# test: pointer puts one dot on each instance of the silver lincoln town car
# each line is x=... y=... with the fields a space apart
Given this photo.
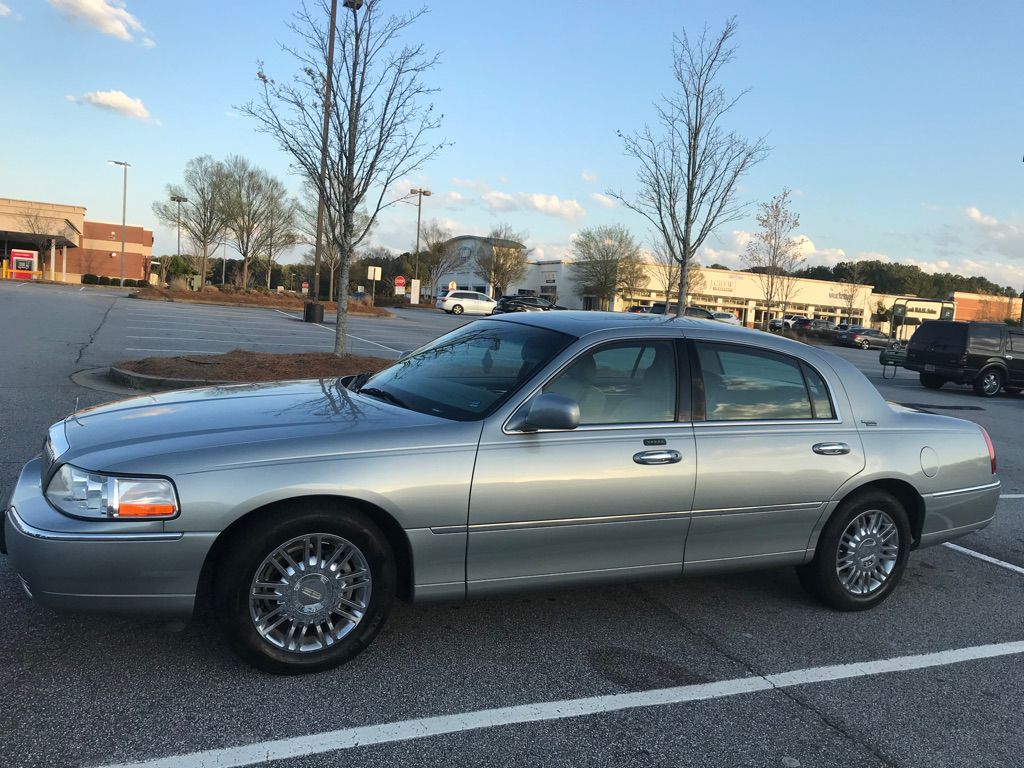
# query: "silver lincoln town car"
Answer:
x=530 y=450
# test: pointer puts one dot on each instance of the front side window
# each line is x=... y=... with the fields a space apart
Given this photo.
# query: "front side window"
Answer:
x=466 y=374
x=748 y=384
x=624 y=383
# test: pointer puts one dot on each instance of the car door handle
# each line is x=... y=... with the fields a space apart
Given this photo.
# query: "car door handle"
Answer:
x=657 y=457
x=831 y=449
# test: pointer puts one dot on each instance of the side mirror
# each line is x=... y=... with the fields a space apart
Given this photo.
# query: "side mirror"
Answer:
x=548 y=411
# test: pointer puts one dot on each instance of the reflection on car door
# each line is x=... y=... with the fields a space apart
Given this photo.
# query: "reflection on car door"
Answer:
x=609 y=500
x=1015 y=358
x=774 y=444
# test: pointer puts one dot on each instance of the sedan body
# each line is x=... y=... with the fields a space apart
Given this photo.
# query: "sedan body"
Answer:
x=865 y=338
x=532 y=450
x=726 y=317
x=524 y=304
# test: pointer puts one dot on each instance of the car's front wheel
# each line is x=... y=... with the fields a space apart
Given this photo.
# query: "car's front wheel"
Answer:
x=931 y=381
x=988 y=383
x=861 y=553
x=306 y=589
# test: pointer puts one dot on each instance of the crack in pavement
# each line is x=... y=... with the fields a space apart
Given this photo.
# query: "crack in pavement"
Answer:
x=92 y=336
x=833 y=725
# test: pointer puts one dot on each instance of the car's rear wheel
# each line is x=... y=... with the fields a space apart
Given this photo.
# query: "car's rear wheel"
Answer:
x=931 y=381
x=861 y=553
x=865 y=344
x=988 y=383
x=457 y=309
x=306 y=590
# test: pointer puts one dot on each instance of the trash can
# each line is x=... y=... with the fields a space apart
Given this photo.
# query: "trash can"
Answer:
x=313 y=312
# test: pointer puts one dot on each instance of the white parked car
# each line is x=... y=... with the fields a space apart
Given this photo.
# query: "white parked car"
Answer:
x=726 y=317
x=466 y=302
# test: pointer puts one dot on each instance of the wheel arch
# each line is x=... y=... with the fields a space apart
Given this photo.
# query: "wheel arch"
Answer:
x=905 y=493
x=392 y=531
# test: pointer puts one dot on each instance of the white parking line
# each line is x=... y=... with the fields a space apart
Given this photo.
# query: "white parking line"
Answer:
x=1012 y=496
x=226 y=341
x=353 y=336
x=406 y=730
x=986 y=558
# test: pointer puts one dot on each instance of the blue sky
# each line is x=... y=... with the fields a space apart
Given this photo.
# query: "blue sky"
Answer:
x=896 y=125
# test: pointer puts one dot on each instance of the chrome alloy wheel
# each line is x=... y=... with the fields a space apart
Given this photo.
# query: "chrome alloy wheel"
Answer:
x=867 y=552
x=310 y=592
x=990 y=383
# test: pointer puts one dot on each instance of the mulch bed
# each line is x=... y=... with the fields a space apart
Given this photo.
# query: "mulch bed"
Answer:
x=240 y=365
x=252 y=299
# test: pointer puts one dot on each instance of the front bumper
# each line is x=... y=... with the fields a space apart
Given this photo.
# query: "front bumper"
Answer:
x=100 y=566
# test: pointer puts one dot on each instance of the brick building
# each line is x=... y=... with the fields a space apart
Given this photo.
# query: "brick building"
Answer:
x=68 y=245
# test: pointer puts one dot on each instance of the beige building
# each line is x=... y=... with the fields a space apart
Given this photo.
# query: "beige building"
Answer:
x=66 y=246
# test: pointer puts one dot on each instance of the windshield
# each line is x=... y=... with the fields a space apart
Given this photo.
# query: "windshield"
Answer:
x=467 y=373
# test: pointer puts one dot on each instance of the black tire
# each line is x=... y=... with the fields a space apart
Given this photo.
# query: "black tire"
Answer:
x=988 y=382
x=247 y=555
x=821 y=577
x=931 y=381
x=865 y=344
x=457 y=309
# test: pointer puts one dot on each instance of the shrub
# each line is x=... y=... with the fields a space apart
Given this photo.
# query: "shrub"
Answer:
x=103 y=280
x=90 y=279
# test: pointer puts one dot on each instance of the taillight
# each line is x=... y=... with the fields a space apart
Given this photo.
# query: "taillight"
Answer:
x=991 y=449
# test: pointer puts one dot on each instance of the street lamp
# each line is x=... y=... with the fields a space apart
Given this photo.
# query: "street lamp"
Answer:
x=124 y=208
x=420 y=194
x=179 y=200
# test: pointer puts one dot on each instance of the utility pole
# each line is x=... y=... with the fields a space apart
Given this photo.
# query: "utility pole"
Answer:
x=314 y=312
x=124 y=209
x=420 y=193
x=179 y=200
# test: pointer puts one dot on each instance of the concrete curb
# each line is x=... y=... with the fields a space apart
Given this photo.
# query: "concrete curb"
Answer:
x=143 y=381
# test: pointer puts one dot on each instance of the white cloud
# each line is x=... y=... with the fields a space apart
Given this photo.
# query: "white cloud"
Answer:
x=499 y=201
x=110 y=17
x=980 y=218
x=115 y=101
x=588 y=177
x=455 y=198
x=475 y=185
x=552 y=205
x=148 y=42
x=5 y=10
x=602 y=200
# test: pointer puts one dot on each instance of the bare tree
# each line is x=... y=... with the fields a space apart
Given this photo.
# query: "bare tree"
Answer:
x=606 y=261
x=436 y=258
x=851 y=290
x=504 y=260
x=203 y=216
x=281 y=228
x=378 y=126
x=247 y=202
x=688 y=169
x=665 y=267
x=773 y=253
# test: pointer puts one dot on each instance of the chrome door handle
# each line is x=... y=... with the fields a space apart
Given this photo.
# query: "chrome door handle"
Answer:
x=657 y=457
x=831 y=449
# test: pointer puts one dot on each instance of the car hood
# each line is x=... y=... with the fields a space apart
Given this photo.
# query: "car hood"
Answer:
x=189 y=427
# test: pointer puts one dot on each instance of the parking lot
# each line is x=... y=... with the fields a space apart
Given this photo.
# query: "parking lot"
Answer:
x=735 y=670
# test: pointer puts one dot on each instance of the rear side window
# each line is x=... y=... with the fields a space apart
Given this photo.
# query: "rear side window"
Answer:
x=748 y=384
x=985 y=338
x=1016 y=342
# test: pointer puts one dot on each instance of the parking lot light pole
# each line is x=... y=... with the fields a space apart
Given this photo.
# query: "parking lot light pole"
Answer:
x=179 y=200
x=420 y=193
x=124 y=208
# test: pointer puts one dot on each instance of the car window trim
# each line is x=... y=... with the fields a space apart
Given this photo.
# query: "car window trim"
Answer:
x=699 y=407
x=681 y=355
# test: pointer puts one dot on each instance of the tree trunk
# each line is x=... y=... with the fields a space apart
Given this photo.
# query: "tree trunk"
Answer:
x=245 y=271
x=342 y=321
x=681 y=300
x=331 y=287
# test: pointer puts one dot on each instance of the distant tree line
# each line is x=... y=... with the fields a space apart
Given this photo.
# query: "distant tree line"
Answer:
x=905 y=279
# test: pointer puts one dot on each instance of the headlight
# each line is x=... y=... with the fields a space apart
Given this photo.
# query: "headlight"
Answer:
x=89 y=494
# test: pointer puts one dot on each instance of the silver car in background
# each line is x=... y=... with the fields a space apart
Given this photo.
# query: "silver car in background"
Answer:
x=531 y=450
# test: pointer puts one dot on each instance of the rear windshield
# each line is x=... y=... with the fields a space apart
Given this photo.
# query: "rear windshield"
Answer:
x=939 y=336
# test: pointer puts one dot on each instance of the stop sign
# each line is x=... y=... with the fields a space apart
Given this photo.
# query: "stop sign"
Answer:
x=400 y=281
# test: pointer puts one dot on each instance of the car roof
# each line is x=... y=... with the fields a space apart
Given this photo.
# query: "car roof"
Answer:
x=582 y=323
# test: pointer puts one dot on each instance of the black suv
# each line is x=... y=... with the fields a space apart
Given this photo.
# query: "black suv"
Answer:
x=988 y=356
x=523 y=304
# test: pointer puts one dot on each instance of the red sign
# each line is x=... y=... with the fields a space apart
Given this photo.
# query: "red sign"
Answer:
x=400 y=282
x=305 y=287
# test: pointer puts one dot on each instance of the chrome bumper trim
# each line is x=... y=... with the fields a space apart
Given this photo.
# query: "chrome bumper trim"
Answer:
x=956 y=491
x=25 y=529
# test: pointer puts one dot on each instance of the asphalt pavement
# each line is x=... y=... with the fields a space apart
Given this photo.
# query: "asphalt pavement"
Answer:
x=740 y=670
